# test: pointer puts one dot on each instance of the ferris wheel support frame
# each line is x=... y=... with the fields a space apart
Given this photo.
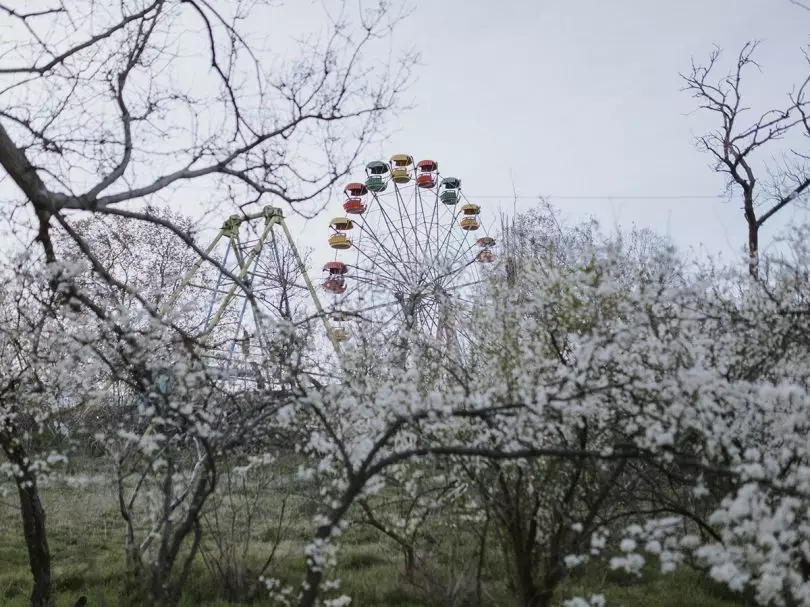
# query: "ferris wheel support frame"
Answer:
x=273 y=216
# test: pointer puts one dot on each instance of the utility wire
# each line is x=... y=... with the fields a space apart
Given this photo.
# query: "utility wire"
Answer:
x=603 y=197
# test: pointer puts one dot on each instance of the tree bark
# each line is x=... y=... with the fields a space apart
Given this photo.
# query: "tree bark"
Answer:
x=519 y=523
x=33 y=519
x=753 y=232
x=39 y=556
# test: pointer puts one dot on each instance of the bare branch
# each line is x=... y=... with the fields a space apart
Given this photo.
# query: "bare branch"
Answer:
x=734 y=143
x=61 y=58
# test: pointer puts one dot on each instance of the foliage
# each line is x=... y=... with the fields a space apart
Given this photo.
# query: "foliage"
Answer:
x=611 y=411
x=617 y=407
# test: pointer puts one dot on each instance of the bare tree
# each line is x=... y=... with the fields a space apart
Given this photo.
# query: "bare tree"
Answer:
x=736 y=143
x=98 y=110
x=111 y=107
x=282 y=288
x=35 y=347
x=144 y=258
x=12 y=420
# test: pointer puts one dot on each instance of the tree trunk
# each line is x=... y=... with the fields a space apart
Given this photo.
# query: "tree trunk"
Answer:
x=519 y=542
x=529 y=595
x=33 y=518
x=39 y=556
x=410 y=562
x=753 y=233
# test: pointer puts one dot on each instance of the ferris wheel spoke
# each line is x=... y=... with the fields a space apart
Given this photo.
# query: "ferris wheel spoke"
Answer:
x=391 y=257
x=464 y=249
x=453 y=224
x=450 y=231
x=427 y=254
x=419 y=219
x=373 y=281
x=455 y=269
x=378 y=242
x=476 y=273
x=430 y=321
x=450 y=288
x=435 y=214
x=391 y=227
x=369 y=231
x=455 y=288
x=359 y=255
x=379 y=306
x=403 y=212
x=373 y=284
x=376 y=273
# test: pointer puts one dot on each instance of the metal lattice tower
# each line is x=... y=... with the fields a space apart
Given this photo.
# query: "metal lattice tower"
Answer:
x=234 y=322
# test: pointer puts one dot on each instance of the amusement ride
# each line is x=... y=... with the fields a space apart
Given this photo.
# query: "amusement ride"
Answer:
x=408 y=251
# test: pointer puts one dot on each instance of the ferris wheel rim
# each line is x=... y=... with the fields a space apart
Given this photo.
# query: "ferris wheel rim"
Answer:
x=408 y=238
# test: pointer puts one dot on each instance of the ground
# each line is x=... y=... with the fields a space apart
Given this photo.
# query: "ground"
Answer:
x=86 y=540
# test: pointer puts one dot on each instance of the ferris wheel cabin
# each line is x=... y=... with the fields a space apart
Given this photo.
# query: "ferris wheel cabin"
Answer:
x=449 y=188
x=375 y=173
x=340 y=334
x=334 y=282
x=469 y=221
x=401 y=168
x=339 y=240
x=354 y=204
x=485 y=254
x=356 y=190
x=426 y=177
x=335 y=268
x=342 y=224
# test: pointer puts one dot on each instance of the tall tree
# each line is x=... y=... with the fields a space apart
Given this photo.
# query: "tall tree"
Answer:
x=738 y=141
x=111 y=106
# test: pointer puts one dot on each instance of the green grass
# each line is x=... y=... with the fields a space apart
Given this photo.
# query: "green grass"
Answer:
x=86 y=541
x=681 y=588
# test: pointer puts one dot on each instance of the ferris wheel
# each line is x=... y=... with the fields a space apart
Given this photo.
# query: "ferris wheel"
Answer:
x=408 y=252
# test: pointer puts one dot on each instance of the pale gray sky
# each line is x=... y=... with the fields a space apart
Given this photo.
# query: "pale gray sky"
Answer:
x=571 y=98
x=582 y=98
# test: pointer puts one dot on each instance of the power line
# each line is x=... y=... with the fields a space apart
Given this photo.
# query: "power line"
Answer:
x=602 y=197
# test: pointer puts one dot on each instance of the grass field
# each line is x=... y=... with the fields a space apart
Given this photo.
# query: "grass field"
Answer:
x=86 y=541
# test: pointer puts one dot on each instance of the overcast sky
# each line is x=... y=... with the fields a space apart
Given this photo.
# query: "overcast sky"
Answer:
x=577 y=100
x=582 y=98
